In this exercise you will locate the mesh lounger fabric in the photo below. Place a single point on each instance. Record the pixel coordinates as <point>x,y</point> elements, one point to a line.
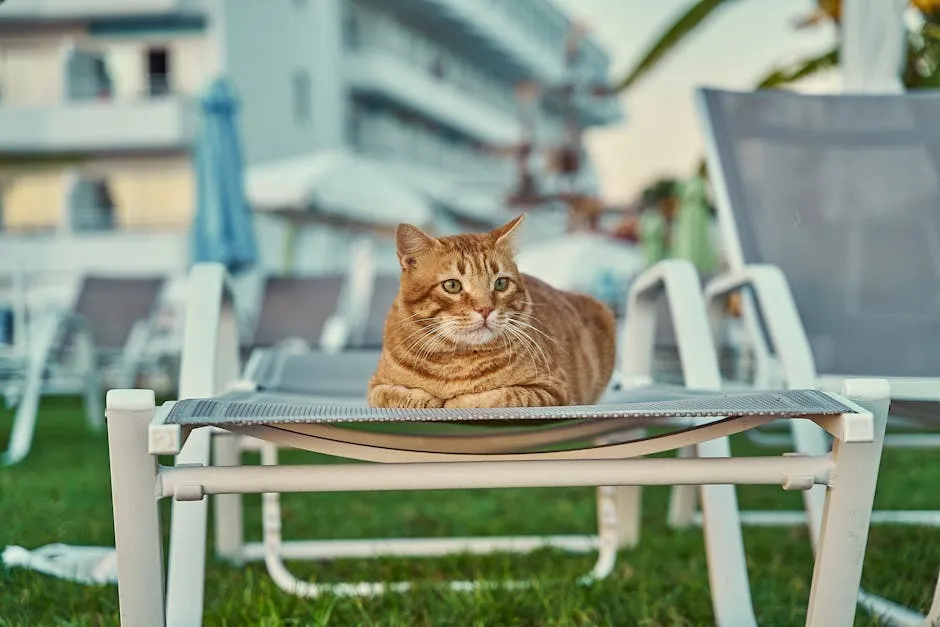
<point>927,412</point>
<point>842,194</point>
<point>246,409</point>
<point>320,374</point>
<point>297,307</point>
<point>110,306</point>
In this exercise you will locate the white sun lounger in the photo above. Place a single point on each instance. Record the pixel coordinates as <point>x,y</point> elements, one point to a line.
<point>107,329</point>
<point>314,316</point>
<point>139,431</point>
<point>830,211</point>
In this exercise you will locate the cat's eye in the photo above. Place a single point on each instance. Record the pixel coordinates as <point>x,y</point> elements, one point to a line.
<point>452,286</point>
<point>501,284</point>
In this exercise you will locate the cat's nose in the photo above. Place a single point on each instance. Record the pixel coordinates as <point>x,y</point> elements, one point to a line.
<point>485,311</point>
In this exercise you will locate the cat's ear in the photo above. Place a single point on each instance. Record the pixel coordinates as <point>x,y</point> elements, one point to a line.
<point>411,242</point>
<point>506,233</point>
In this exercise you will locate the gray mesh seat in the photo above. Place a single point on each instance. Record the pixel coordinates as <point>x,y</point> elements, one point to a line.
<point>113,305</point>
<point>344,374</point>
<point>842,193</point>
<point>296,307</point>
<point>110,308</point>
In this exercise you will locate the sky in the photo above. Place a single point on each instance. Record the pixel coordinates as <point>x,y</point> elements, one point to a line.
<point>733,49</point>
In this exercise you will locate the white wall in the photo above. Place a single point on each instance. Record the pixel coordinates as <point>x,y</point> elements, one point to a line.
<point>263,45</point>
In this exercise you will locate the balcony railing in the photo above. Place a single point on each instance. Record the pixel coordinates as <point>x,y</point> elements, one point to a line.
<point>371,71</point>
<point>93,125</point>
<point>71,9</point>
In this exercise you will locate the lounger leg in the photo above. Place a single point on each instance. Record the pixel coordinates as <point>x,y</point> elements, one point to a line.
<point>683,499</point>
<point>136,511</point>
<point>94,415</point>
<point>24,421</point>
<point>620,508</point>
<point>933,615</point>
<point>847,514</point>
<point>229,524</point>
<point>724,546</point>
<point>608,533</point>
<point>187,563</point>
<point>810,439</point>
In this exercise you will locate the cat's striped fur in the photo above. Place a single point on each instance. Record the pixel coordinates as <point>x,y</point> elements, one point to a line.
<point>496,338</point>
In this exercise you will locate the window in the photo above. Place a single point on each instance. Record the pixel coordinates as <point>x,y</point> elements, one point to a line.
<point>158,71</point>
<point>302,89</point>
<point>351,26</point>
<point>92,207</point>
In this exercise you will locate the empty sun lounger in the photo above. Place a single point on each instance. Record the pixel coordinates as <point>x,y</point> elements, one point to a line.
<point>103,335</point>
<point>830,210</point>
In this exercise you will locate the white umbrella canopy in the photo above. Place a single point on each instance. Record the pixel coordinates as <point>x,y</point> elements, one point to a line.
<point>578,261</point>
<point>336,184</point>
<point>874,44</point>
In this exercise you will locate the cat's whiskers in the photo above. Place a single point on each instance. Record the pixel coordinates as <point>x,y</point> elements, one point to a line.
<point>411,320</point>
<point>419,334</point>
<point>424,332</point>
<point>431,341</point>
<point>530,346</point>
<point>540,331</point>
<point>433,346</point>
<point>523,328</point>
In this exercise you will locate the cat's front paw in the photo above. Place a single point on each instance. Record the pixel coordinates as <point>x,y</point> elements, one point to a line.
<point>401,397</point>
<point>481,400</point>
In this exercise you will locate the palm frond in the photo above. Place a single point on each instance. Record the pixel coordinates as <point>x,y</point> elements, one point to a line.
<point>801,69</point>
<point>670,39</point>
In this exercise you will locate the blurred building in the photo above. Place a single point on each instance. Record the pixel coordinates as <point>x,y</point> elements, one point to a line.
<point>98,111</point>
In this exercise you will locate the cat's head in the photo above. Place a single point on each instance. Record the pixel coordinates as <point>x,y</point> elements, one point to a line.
<point>465,288</point>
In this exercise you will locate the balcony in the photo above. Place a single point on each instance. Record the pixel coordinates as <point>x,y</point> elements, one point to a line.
<point>97,126</point>
<point>500,33</point>
<point>371,72</point>
<point>64,10</point>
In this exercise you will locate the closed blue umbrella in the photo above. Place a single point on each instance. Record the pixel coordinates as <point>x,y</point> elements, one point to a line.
<point>222,229</point>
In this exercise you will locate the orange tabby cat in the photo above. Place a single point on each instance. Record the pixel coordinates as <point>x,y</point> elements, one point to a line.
<point>468,330</point>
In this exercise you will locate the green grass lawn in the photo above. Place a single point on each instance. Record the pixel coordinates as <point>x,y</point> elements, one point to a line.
<point>60,493</point>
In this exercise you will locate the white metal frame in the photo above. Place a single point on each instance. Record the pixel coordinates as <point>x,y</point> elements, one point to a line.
<point>42,341</point>
<point>770,294</point>
<point>210,359</point>
<point>139,482</point>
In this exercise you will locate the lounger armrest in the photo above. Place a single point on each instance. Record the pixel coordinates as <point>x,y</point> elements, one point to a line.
<point>774,299</point>
<point>679,282</point>
<point>210,336</point>
<point>336,334</point>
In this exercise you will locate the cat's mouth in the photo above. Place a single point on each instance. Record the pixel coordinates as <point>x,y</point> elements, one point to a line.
<point>480,333</point>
